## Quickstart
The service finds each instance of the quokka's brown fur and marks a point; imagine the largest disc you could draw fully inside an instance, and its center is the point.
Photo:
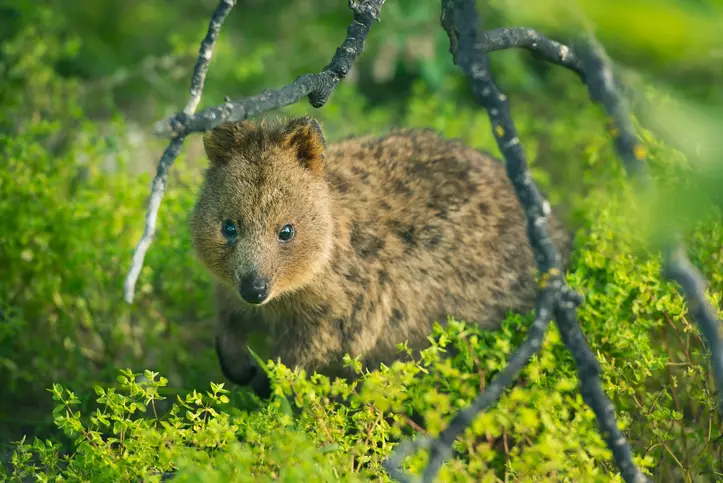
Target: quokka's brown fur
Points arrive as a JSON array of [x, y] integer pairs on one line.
[[391, 234]]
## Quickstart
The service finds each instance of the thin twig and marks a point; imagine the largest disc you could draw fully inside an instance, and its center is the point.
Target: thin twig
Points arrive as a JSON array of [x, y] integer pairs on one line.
[[205, 53], [158, 189], [678, 267], [552, 51], [318, 88], [393, 464]]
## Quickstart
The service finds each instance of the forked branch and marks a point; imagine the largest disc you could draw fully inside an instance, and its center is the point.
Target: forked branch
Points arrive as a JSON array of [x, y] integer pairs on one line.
[[469, 47], [460, 21], [318, 88]]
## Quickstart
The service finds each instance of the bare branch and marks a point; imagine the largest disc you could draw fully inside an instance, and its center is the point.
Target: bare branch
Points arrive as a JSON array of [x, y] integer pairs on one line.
[[545, 48], [532, 40], [442, 448], [676, 265], [318, 87], [602, 89], [459, 18], [588, 372], [205, 54], [304, 85], [158, 188]]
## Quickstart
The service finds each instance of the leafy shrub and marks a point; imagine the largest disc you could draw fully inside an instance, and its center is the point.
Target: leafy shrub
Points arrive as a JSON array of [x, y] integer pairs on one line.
[[69, 224]]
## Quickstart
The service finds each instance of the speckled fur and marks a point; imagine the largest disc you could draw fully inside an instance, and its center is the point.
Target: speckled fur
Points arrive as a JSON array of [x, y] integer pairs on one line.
[[392, 234]]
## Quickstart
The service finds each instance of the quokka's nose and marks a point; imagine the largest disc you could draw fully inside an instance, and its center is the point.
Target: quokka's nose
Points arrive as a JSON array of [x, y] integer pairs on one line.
[[253, 289]]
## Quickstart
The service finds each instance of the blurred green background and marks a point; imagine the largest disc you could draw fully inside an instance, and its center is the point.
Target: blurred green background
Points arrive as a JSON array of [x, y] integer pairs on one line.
[[82, 81]]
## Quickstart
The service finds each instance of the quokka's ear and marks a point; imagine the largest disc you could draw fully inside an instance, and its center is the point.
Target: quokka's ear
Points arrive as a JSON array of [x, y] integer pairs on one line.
[[221, 141], [303, 135]]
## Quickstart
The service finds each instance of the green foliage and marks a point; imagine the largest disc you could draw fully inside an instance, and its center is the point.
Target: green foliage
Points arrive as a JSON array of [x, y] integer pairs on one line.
[[73, 190], [69, 226]]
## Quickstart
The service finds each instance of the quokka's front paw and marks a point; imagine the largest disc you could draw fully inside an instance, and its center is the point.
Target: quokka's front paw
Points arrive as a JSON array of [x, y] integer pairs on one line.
[[236, 363], [261, 384]]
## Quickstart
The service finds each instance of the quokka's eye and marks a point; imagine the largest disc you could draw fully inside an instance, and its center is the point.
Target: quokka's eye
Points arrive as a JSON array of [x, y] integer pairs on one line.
[[228, 229], [286, 233]]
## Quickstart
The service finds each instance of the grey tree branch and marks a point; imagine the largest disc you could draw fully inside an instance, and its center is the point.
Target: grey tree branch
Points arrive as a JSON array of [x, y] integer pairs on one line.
[[205, 54], [503, 38], [158, 188], [318, 87], [554, 52], [676, 265], [459, 19], [608, 91]]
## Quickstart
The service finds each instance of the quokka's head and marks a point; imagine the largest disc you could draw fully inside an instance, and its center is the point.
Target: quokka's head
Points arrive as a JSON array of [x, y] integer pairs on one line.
[[262, 222]]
